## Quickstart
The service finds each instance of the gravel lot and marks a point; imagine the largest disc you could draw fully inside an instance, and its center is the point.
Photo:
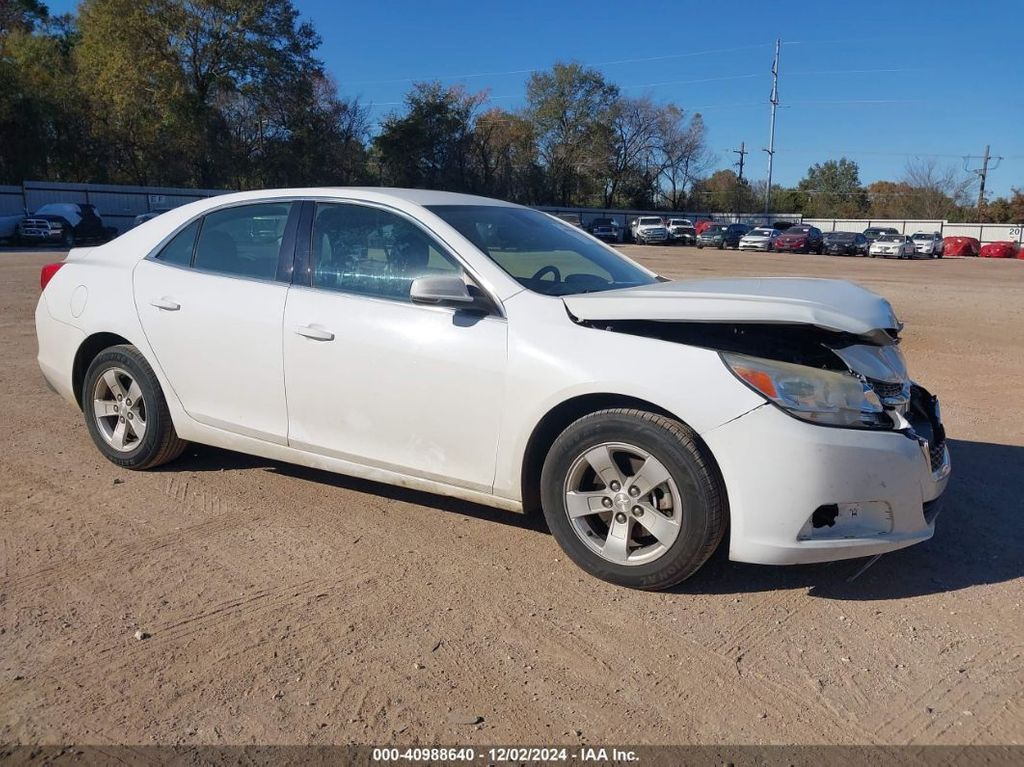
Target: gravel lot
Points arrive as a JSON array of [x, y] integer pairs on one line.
[[287, 605]]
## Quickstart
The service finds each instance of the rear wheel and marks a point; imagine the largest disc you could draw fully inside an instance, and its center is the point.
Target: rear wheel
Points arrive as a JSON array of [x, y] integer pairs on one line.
[[633, 498], [125, 410]]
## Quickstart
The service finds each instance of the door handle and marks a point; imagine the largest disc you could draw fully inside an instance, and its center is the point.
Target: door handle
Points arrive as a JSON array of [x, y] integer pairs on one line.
[[166, 304], [317, 334]]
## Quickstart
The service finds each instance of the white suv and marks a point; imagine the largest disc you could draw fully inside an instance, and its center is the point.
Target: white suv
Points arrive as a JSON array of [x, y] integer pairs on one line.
[[487, 351], [649, 229]]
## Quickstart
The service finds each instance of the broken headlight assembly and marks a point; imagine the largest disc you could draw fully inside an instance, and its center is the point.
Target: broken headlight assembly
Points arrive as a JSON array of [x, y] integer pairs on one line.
[[820, 396]]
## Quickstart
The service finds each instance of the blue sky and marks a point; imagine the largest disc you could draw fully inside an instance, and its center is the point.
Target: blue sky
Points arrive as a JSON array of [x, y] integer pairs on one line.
[[876, 82]]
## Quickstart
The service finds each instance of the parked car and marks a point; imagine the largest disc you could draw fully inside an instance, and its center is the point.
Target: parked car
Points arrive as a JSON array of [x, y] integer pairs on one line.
[[1000, 249], [144, 217], [64, 223], [681, 230], [874, 232], [605, 229], [722, 236], [893, 246], [800, 238], [845, 244], [960, 246], [778, 411], [759, 239], [9, 227], [928, 243], [649, 229]]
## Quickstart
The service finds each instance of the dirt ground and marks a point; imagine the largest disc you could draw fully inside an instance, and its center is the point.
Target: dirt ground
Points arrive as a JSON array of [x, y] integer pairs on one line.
[[287, 605]]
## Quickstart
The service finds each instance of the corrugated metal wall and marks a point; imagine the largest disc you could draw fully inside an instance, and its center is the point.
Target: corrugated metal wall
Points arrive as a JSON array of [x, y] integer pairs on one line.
[[117, 205]]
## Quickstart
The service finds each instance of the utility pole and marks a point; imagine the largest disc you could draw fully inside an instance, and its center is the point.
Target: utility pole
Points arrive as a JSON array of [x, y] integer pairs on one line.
[[988, 162], [981, 187], [741, 152], [771, 134]]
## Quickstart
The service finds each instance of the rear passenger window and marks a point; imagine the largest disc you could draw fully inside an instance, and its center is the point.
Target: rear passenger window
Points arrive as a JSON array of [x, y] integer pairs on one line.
[[244, 241], [179, 250]]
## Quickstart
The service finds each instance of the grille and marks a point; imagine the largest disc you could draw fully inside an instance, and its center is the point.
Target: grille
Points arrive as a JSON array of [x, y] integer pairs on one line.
[[887, 390], [35, 223], [935, 455]]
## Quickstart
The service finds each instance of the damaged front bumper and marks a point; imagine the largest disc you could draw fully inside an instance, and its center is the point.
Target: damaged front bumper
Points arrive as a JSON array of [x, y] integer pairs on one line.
[[800, 492]]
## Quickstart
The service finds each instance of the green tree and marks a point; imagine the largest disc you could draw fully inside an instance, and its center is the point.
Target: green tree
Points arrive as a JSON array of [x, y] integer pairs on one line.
[[42, 125], [22, 15], [833, 189], [571, 108], [429, 146], [724, 192], [171, 83], [506, 161]]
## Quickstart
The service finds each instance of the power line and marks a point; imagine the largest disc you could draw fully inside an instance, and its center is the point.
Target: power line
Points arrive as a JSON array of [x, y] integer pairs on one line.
[[690, 54]]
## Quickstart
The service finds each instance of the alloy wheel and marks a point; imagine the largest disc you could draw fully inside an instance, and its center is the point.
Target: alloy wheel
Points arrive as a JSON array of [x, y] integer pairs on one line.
[[623, 503], [119, 409]]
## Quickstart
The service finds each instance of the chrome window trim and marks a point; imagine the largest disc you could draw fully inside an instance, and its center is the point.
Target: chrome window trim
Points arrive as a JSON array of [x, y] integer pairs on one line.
[[448, 249]]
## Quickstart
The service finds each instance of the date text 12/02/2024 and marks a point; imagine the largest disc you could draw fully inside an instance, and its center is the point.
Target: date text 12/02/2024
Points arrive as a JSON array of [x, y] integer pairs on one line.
[[503, 754]]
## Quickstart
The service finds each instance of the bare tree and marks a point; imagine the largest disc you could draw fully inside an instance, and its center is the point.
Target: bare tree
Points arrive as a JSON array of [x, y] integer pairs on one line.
[[935, 190], [685, 157]]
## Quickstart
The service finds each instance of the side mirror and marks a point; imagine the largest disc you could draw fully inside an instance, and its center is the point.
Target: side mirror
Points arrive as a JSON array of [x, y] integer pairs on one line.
[[440, 290]]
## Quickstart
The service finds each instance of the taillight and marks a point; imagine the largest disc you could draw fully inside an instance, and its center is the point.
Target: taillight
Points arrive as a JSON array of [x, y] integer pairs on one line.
[[47, 274]]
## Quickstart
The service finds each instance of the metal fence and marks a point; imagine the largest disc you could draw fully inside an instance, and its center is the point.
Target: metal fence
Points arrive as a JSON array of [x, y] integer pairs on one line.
[[983, 232], [117, 205]]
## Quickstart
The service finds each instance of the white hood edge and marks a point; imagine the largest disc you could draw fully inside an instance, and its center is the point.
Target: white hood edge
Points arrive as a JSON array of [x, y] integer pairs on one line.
[[831, 304]]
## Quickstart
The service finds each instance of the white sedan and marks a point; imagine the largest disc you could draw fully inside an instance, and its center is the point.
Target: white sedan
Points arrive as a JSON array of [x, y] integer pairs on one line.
[[892, 246], [759, 239], [487, 351]]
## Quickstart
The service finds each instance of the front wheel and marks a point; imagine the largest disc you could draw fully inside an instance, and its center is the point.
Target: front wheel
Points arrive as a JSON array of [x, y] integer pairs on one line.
[[125, 410], [633, 498], [700, 246], [68, 240]]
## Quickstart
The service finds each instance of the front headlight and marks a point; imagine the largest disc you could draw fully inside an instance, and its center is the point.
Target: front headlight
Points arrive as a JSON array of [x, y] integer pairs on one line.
[[819, 396]]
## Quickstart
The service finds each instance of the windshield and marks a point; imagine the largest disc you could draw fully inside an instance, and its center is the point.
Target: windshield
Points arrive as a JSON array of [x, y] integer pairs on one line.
[[922, 236], [839, 235], [650, 222], [891, 238], [760, 233], [715, 229], [602, 222], [680, 222], [540, 253], [798, 230]]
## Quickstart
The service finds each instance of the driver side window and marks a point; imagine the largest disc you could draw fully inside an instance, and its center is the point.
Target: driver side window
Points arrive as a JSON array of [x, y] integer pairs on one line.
[[372, 252]]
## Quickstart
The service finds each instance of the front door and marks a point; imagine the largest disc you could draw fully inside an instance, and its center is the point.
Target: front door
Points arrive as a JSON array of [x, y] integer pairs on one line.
[[372, 377]]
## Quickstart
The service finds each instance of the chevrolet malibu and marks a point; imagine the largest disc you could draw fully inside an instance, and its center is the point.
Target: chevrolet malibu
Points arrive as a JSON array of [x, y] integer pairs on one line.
[[477, 349]]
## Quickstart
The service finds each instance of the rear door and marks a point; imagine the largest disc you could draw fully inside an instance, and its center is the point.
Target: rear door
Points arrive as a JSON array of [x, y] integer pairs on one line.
[[211, 303]]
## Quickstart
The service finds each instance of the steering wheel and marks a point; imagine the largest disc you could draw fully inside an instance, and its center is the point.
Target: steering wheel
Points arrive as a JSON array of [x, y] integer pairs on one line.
[[548, 269]]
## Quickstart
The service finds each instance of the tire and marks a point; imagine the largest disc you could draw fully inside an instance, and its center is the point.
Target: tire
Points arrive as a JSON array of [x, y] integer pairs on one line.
[[696, 503], [68, 240], [125, 368], [721, 245], [700, 246]]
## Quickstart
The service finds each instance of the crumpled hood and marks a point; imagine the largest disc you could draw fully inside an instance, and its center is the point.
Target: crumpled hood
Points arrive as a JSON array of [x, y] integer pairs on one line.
[[831, 304]]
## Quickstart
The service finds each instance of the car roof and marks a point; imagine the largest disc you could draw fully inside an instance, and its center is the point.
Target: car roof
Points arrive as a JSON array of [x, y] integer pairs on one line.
[[373, 193]]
